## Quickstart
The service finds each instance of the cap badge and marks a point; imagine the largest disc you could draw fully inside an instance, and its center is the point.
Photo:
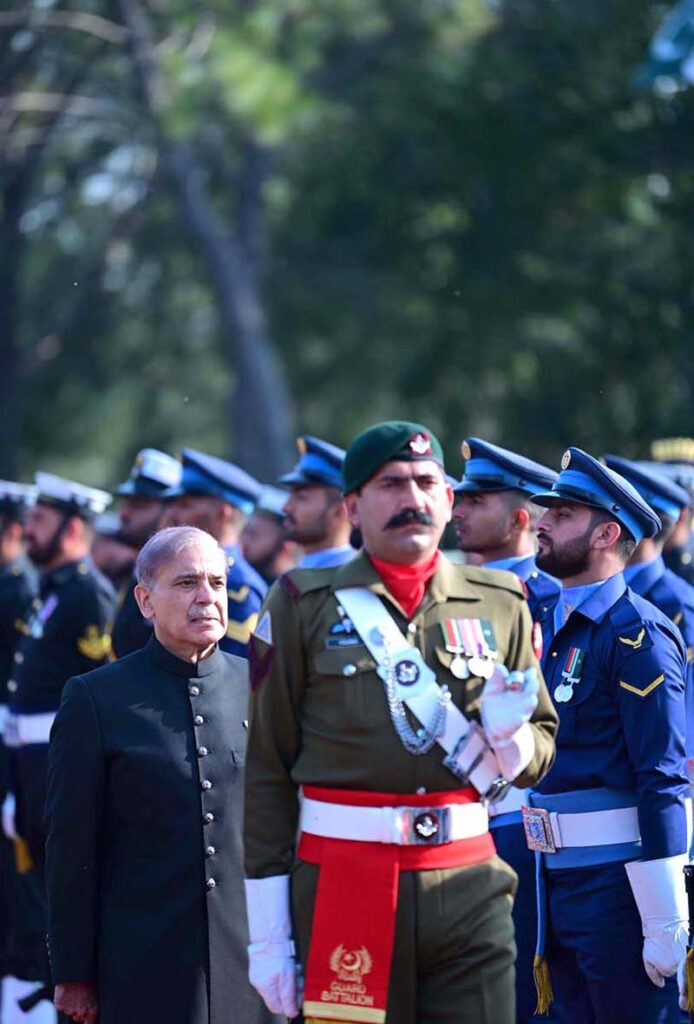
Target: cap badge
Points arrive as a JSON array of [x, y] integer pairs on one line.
[[466, 450], [566, 460], [301, 445], [420, 444]]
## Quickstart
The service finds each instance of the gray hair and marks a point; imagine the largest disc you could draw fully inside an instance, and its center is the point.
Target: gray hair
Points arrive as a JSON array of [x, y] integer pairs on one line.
[[167, 544]]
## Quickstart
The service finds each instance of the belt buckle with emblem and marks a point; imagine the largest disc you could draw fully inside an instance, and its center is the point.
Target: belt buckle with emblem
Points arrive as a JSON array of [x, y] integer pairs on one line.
[[538, 830], [426, 826]]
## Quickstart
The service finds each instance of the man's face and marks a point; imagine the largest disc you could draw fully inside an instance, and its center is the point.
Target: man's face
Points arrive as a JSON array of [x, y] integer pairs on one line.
[[187, 603], [482, 522], [42, 533], [201, 510], [564, 535], [307, 513], [139, 518], [402, 511], [262, 537]]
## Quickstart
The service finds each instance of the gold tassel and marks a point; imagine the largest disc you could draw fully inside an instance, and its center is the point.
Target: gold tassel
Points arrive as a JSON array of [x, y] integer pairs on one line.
[[22, 858], [689, 975], [543, 985]]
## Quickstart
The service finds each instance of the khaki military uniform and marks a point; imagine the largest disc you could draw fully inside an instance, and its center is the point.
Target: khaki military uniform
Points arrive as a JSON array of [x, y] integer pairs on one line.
[[319, 717]]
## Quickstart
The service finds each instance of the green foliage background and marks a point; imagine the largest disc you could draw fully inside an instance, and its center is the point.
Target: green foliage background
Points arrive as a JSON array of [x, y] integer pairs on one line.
[[470, 216]]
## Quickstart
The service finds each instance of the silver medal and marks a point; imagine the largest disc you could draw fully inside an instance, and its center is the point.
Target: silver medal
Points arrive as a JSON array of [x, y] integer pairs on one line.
[[478, 665], [459, 668], [563, 693]]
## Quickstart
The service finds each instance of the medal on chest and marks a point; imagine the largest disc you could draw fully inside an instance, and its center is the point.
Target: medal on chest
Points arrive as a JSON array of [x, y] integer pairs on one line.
[[571, 675], [471, 639], [41, 617]]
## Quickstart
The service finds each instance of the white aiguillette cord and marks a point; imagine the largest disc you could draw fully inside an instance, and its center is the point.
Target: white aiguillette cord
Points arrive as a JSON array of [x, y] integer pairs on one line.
[[425, 698]]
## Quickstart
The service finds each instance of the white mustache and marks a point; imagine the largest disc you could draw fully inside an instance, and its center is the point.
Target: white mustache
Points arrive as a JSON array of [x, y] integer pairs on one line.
[[204, 613]]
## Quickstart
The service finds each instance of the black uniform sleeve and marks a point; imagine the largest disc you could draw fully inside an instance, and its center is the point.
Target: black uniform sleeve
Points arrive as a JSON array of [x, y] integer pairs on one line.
[[74, 803]]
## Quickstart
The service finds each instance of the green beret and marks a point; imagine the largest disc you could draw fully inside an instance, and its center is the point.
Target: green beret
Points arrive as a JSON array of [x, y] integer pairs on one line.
[[386, 442]]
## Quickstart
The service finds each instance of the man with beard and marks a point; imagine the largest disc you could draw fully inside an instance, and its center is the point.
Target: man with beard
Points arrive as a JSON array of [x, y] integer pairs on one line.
[[609, 820], [369, 700], [217, 496], [264, 541], [140, 513], [64, 633], [144, 805], [494, 517], [315, 513], [21, 936]]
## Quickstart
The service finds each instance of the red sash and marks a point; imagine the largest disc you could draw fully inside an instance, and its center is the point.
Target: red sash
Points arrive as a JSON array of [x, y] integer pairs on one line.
[[354, 918]]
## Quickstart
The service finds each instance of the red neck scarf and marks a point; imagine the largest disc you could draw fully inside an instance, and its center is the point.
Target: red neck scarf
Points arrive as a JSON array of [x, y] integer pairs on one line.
[[407, 583]]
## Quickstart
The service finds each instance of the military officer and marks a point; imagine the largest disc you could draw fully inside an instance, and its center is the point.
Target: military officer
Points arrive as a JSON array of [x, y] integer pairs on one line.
[[264, 541], [144, 872], [675, 457], [494, 517], [141, 510], [217, 496], [21, 928], [315, 513], [381, 688], [609, 820]]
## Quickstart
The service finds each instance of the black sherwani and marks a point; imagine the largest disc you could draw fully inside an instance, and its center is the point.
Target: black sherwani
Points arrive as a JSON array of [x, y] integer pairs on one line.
[[144, 859]]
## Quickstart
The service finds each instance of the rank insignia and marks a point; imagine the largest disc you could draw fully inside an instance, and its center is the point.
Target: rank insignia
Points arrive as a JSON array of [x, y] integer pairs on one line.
[[571, 674]]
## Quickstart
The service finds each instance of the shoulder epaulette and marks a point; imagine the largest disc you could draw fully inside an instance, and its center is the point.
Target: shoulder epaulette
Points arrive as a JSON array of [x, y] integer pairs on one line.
[[303, 581], [498, 578]]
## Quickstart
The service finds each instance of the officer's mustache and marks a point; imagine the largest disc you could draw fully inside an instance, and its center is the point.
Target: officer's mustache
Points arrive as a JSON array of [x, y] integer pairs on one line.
[[203, 613], [407, 516], [544, 537]]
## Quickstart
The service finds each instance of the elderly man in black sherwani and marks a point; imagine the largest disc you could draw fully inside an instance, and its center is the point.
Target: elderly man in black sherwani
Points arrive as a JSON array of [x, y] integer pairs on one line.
[[144, 805]]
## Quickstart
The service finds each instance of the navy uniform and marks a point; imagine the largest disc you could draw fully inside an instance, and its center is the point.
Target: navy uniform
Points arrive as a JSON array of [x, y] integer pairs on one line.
[[21, 928], [65, 634], [320, 465], [153, 473], [609, 820], [489, 468], [206, 475]]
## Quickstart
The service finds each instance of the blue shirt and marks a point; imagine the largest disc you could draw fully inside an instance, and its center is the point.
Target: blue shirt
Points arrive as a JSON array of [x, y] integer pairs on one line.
[[675, 598], [540, 587], [327, 557], [245, 590], [624, 725]]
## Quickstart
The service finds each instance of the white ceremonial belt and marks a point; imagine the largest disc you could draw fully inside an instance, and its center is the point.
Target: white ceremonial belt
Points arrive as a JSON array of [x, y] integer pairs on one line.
[[510, 803], [402, 826], [468, 753], [21, 730], [584, 828]]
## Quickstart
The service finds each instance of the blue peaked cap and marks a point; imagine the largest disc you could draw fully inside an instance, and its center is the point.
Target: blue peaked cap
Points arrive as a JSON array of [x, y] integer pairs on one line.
[[320, 463], [208, 475], [661, 494], [585, 481], [491, 468], [153, 473]]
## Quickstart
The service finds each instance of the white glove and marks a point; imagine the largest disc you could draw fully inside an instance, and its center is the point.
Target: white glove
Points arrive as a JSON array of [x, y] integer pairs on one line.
[[8, 813], [508, 701], [660, 895], [273, 970]]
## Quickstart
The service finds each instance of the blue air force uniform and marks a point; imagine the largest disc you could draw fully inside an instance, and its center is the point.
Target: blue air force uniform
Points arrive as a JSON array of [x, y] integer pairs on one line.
[[208, 475], [652, 579], [616, 793], [153, 472], [491, 468], [319, 465]]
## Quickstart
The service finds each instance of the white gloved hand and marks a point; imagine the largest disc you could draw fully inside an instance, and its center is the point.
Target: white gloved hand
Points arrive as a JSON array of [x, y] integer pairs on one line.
[[8, 815], [508, 701], [660, 895], [273, 970]]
